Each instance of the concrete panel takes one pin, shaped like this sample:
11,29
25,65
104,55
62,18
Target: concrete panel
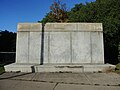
22,53
36,41
81,50
34,47
97,47
60,47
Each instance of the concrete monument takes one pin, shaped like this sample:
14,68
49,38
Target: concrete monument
55,47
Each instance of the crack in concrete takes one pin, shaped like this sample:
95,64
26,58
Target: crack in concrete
55,86
88,78
33,76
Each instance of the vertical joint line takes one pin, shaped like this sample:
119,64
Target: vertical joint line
91,46
71,45
42,44
28,45
48,47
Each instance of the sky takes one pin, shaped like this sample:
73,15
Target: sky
13,12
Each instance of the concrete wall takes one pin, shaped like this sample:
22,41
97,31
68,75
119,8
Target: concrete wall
64,43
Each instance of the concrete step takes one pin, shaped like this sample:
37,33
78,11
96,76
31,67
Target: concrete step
75,68
59,68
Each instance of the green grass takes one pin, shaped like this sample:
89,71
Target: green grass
2,70
117,68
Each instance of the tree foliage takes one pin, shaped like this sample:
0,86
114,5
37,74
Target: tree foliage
58,13
7,41
7,44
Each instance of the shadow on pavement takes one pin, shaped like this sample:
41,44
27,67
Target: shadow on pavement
9,76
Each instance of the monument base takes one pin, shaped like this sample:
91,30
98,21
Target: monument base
15,67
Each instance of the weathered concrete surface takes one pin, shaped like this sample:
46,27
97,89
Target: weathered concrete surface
97,54
73,68
104,78
62,78
34,27
10,75
59,81
22,47
23,67
8,84
81,50
82,87
18,76
34,46
97,79
60,47
35,43
25,85
59,67
62,43
25,76
73,27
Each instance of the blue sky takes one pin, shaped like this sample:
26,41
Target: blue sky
13,12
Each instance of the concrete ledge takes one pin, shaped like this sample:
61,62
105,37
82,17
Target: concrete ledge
59,68
35,27
73,27
19,67
99,68
60,27
75,68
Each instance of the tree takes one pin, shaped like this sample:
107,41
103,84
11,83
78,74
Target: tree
7,44
7,41
58,13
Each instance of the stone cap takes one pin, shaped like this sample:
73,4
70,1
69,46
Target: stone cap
29,27
60,27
